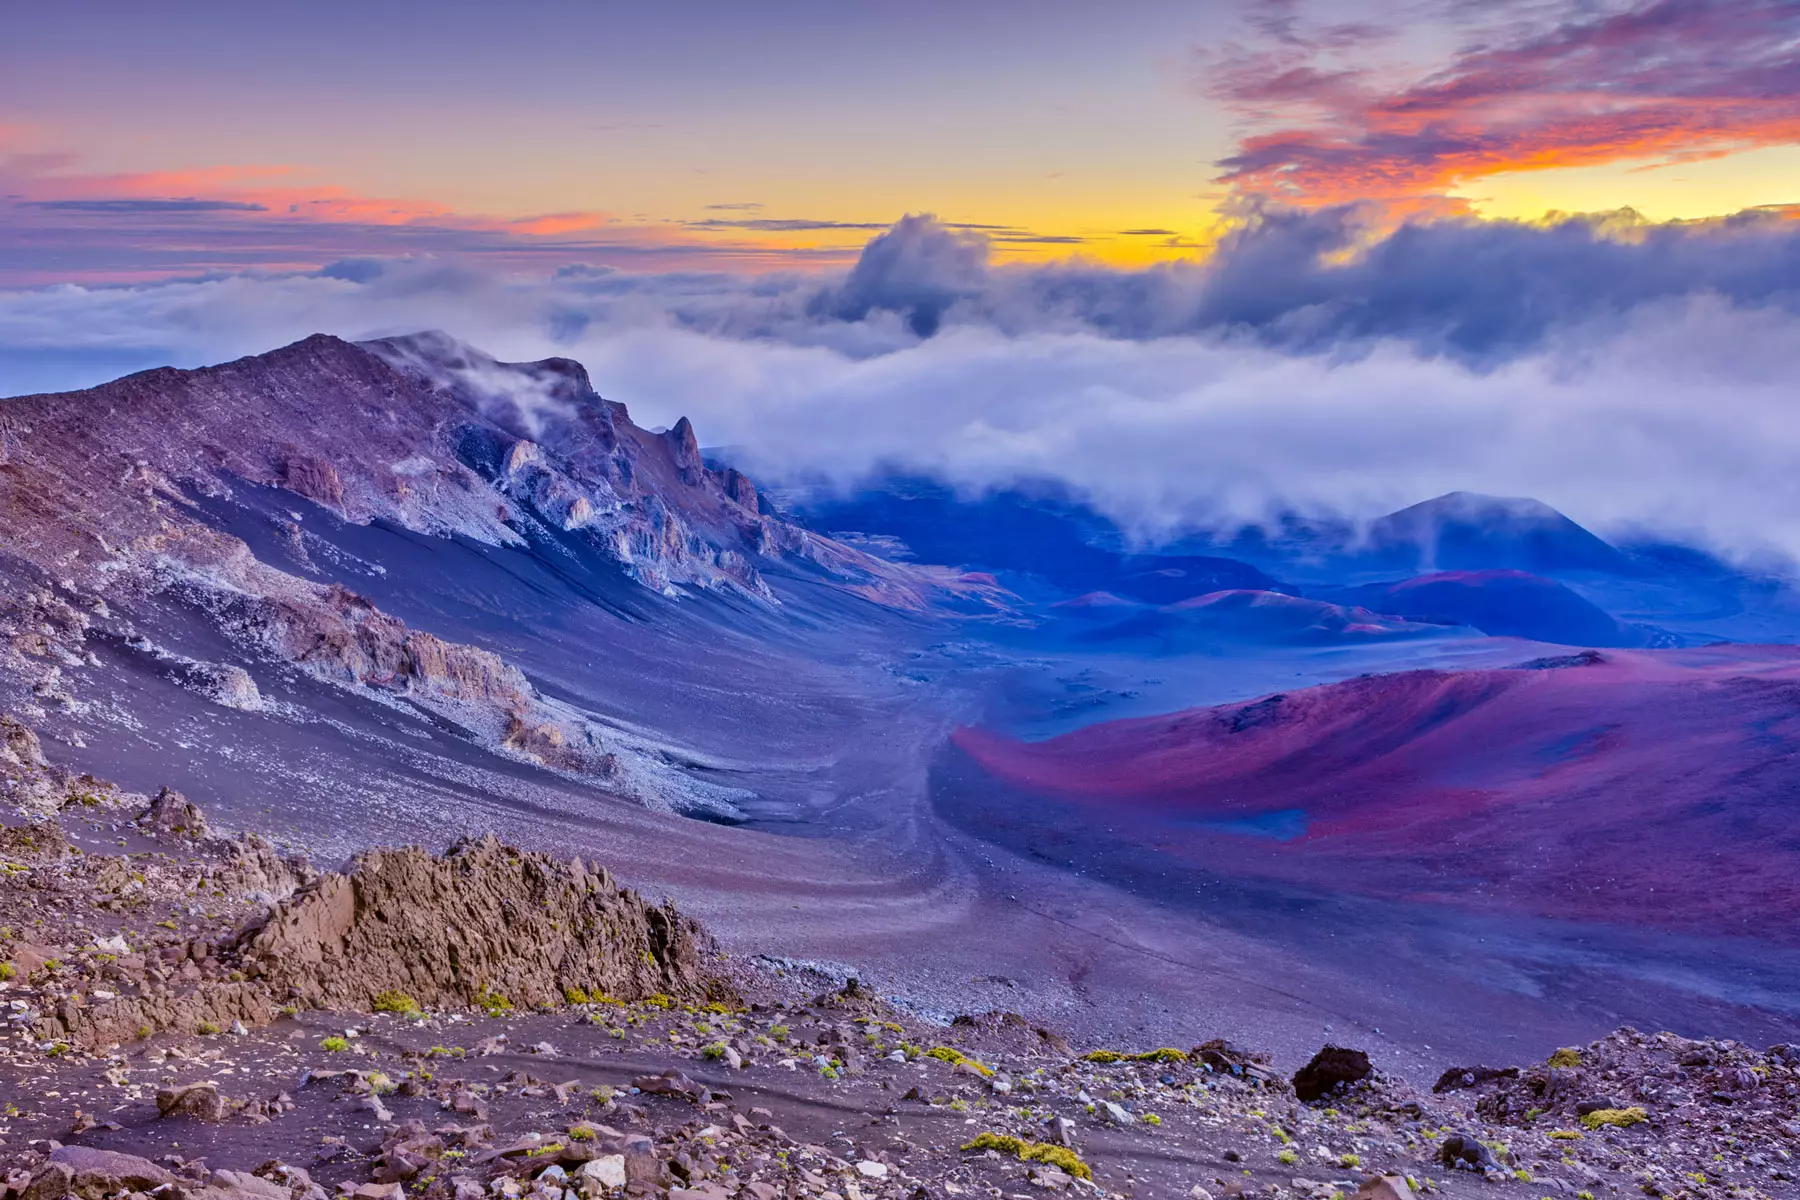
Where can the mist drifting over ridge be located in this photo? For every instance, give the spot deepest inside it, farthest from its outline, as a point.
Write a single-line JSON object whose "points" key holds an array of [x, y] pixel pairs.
{"points": [[1631, 374]]}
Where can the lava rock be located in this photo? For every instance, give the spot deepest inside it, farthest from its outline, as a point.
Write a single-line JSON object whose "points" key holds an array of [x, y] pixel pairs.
{"points": [[1330, 1068]]}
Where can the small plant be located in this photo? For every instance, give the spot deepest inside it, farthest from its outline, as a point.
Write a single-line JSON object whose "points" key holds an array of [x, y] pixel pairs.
{"points": [[493, 1003], [659, 1000], [1060, 1157], [1615, 1118], [576, 995], [1566, 1135], [1151, 1119], [1568, 1056], [715, 1050], [1287, 1158], [396, 1002], [779, 1032], [1167, 1054], [957, 1058], [1349, 1161], [7, 972], [581, 1133], [334, 1045], [206, 1029]]}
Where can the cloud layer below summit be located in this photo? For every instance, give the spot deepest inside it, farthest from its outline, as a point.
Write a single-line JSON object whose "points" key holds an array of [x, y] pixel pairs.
{"points": [[1631, 374]]}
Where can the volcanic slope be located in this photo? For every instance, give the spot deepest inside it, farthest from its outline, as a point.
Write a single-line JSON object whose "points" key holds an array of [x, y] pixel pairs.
{"points": [[429, 582], [1642, 789]]}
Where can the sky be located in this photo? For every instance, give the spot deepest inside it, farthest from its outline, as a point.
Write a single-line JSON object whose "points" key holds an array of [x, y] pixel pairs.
{"points": [[148, 141], [1203, 261]]}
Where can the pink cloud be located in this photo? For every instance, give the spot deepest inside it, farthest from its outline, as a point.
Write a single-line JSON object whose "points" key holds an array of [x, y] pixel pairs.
{"points": [[1668, 80]]}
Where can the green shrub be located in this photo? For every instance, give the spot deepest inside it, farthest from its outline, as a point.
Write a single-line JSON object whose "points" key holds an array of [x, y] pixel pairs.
{"points": [[396, 1002], [334, 1045], [1616, 1118], [957, 1058], [1056, 1156], [1568, 1056]]}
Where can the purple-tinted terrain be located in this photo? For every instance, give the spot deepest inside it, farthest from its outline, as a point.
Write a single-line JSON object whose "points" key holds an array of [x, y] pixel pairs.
{"points": [[1639, 789], [353, 594]]}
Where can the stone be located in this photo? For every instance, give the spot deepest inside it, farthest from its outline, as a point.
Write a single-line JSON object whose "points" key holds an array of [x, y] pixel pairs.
{"points": [[608, 1170], [1116, 1113], [1330, 1068], [248, 1186], [200, 1101], [111, 1170], [671, 1083], [55, 1180], [868, 1168], [1466, 1152], [173, 815], [1384, 1187]]}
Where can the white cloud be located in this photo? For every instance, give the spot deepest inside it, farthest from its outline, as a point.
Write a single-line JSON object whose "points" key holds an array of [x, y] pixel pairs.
{"points": [[1273, 376]]}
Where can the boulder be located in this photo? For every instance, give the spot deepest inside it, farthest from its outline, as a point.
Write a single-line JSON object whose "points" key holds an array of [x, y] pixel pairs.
{"points": [[1384, 1187], [1466, 1152], [172, 815], [109, 1171], [1331, 1068]]}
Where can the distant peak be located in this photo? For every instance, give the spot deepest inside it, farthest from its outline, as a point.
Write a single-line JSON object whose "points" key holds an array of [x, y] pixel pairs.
{"points": [[1472, 503]]}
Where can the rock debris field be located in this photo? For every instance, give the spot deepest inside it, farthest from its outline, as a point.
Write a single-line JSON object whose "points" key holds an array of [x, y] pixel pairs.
{"points": [[196, 1017]]}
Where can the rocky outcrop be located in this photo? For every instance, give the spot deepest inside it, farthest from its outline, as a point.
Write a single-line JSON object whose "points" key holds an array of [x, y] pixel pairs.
{"points": [[484, 925], [172, 815], [342, 637]]}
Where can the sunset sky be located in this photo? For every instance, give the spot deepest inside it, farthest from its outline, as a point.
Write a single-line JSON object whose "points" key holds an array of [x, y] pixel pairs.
{"points": [[148, 141]]}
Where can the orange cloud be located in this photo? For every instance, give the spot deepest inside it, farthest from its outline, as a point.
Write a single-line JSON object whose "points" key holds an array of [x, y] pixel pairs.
{"points": [[1669, 81]]}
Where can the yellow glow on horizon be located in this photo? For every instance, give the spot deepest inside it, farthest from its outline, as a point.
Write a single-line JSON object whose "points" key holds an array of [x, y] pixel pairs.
{"points": [[1682, 191]]}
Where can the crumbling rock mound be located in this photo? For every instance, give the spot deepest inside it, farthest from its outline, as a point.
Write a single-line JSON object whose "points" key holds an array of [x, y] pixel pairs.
{"points": [[173, 815], [1468, 1077], [484, 925], [1647, 1077]]}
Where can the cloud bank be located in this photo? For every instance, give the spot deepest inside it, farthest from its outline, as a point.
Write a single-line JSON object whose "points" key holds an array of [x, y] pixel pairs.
{"points": [[1627, 373]]}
